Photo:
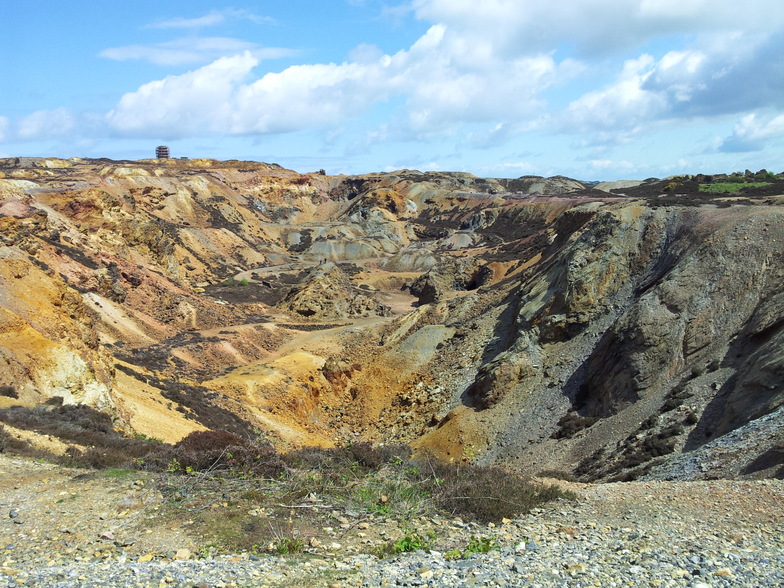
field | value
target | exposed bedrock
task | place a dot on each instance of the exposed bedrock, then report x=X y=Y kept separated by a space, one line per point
x=536 y=322
x=639 y=314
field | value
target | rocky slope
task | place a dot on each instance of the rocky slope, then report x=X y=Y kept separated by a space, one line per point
x=538 y=323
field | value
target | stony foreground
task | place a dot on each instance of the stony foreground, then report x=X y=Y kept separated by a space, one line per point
x=58 y=530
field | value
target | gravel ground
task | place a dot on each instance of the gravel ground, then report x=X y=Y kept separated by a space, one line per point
x=61 y=530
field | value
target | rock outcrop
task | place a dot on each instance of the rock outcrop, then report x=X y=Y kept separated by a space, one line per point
x=327 y=293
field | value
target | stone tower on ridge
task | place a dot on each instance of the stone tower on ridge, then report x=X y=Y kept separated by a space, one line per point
x=162 y=152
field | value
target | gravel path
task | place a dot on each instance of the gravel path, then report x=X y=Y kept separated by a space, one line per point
x=62 y=530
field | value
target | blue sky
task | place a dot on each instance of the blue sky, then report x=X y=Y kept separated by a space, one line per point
x=591 y=89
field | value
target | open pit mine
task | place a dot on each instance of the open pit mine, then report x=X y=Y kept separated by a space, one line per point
x=620 y=331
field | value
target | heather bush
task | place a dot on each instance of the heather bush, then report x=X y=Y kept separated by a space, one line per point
x=487 y=494
x=572 y=423
x=357 y=456
x=374 y=457
x=76 y=423
x=99 y=445
x=10 y=444
x=9 y=391
x=206 y=451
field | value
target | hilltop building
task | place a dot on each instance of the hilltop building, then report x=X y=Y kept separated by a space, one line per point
x=162 y=152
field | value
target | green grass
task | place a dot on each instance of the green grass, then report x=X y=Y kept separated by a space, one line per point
x=231 y=282
x=286 y=545
x=730 y=187
x=481 y=545
x=409 y=542
x=475 y=545
x=121 y=473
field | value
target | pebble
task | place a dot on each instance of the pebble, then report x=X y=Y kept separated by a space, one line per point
x=673 y=557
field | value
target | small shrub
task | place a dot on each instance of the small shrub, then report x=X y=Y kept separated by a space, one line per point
x=204 y=451
x=675 y=398
x=557 y=475
x=119 y=455
x=9 y=392
x=287 y=545
x=374 y=457
x=572 y=423
x=143 y=437
x=672 y=187
x=409 y=542
x=10 y=444
x=481 y=545
x=649 y=423
x=204 y=441
x=79 y=424
x=231 y=282
x=121 y=473
x=487 y=494
x=672 y=431
x=354 y=459
x=655 y=447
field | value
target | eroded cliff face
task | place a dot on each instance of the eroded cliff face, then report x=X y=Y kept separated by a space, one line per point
x=601 y=334
x=644 y=331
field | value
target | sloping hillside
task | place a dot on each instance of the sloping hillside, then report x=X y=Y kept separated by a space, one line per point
x=535 y=323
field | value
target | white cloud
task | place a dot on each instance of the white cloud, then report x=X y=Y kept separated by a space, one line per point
x=446 y=86
x=479 y=74
x=440 y=77
x=752 y=132
x=213 y=18
x=304 y=96
x=730 y=75
x=192 y=104
x=214 y=99
x=192 y=50
x=596 y=25
x=47 y=124
x=3 y=127
x=609 y=164
x=499 y=134
x=518 y=167
x=365 y=53
x=684 y=85
x=680 y=72
x=619 y=109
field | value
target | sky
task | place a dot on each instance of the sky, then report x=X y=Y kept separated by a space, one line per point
x=590 y=89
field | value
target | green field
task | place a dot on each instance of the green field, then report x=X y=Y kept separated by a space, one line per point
x=731 y=187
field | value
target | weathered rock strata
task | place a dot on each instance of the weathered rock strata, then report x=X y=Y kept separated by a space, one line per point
x=535 y=322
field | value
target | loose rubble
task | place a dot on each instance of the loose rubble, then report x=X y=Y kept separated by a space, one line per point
x=66 y=532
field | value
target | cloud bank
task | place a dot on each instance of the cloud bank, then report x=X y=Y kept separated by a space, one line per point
x=605 y=71
x=490 y=66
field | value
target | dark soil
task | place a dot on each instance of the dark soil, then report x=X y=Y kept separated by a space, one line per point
x=268 y=290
